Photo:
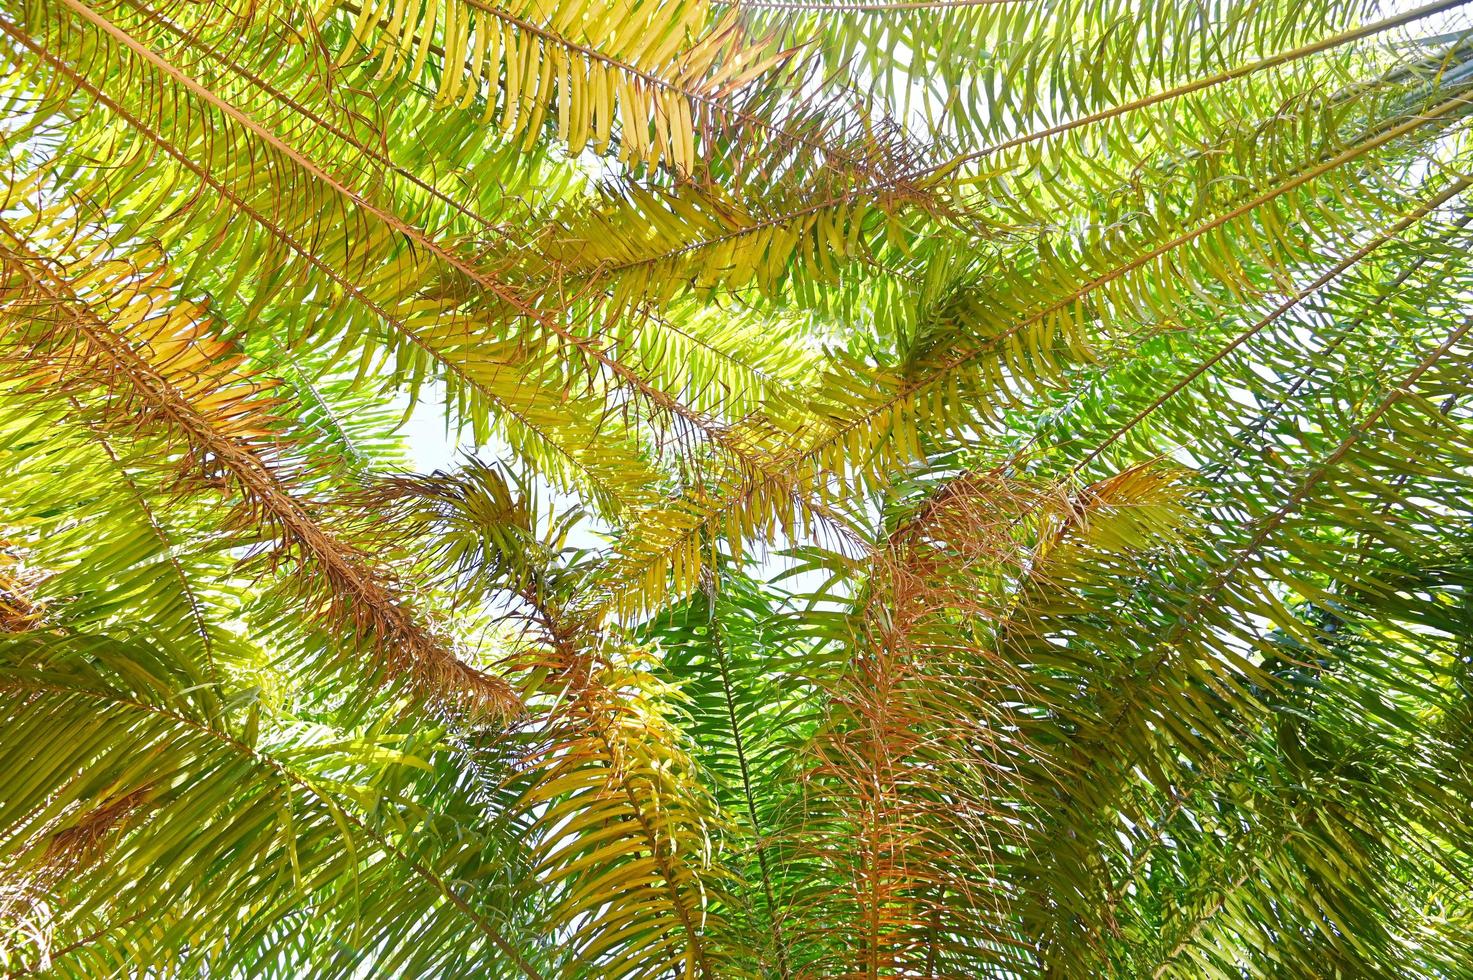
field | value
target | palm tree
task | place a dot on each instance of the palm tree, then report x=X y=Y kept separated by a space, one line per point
x=962 y=488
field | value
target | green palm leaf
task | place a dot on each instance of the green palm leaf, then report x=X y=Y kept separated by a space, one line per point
x=954 y=488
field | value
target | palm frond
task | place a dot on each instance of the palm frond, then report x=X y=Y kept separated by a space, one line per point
x=935 y=489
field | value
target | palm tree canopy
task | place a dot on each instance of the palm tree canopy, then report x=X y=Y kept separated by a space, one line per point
x=947 y=488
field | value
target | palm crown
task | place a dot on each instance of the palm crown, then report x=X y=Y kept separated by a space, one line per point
x=967 y=488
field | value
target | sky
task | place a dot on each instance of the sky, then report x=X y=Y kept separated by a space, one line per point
x=426 y=437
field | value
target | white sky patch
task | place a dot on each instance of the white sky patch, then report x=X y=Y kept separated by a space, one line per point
x=430 y=440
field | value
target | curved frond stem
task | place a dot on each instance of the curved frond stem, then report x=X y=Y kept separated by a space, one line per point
x=915 y=523
x=191 y=597
x=1299 y=296
x=583 y=50
x=586 y=346
x=1265 y=528
x=662 y=861
x=196 y=42
x=782 y=474
x=859 y=6
x=79 y=944
x=329 y=420
x=1348 y=155
x=360 y=598
x=718 y=646
x=1166 y=95
x=715 y=102
x=298 y=248
x=1222 y=77
x=666 y=323
x=1277 y=405
x=193 y=40
x=1201 y=919
x=308 y=786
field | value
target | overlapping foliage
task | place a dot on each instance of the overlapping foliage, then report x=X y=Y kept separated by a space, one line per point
x=965 y=488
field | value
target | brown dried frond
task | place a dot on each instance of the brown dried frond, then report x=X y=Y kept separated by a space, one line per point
x=78 y=327
x=26 y=915
x=20 y=610
x=82 y=842
x=929 y=761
